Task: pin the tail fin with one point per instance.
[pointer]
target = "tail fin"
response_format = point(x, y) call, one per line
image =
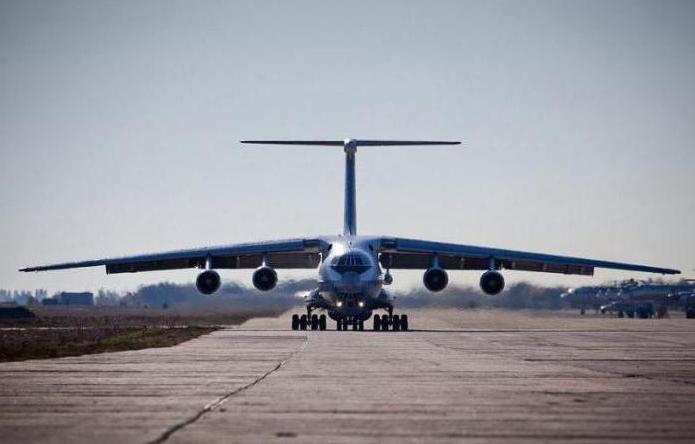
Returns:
point(350, 147)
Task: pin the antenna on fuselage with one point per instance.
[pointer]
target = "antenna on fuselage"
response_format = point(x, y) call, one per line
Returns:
point(350, 148)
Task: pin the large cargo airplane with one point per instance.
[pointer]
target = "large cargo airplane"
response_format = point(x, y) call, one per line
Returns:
point(352, 269)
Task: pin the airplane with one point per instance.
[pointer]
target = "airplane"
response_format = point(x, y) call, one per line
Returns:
point(352, 268)
point(645, 299)
point(583, 298)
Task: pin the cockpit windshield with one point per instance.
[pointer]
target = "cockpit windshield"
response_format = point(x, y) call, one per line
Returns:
point(356, 262)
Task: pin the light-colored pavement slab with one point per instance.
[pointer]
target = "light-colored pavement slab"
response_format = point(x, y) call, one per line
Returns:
point(475, 376)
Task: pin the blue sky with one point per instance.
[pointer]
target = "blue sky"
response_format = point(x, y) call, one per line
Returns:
point(120, 121)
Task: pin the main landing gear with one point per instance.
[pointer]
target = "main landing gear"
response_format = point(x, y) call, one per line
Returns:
point(308, 322)
point(392, 322)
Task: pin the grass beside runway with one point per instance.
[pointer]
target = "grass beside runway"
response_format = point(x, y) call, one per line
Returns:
point(60, 331)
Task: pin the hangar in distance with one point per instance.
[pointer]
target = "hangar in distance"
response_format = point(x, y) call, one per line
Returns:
point(352, 269)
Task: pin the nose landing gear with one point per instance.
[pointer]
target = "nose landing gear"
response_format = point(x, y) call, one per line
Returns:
point(345, 323)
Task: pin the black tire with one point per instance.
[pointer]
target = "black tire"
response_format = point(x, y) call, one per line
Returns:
point(314, 322)
point(404, 322)
point(339, 324)
point(360, 325)
point(396, 323)
point(302, 322)
point(690, 314)
point(322, 322)
point(384, 323)
point(354, 325)
point(345, 325)
point(377, 323)
point(295, 322)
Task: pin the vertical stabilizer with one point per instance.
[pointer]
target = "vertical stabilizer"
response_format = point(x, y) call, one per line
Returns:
point(350, 147)
point(350, 215)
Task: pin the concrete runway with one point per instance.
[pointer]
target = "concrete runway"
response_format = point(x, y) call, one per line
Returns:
point(464, 376)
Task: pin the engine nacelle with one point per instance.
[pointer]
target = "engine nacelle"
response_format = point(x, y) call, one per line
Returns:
point(492, 282)
point(265, 278)
point(208, 282)
point(435, 279)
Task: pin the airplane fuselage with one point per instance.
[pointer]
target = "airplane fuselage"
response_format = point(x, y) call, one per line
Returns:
point(351, 281)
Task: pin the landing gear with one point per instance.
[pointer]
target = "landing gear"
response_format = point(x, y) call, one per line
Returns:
point(308, 321)
point(404, 322)
point(295, 322)
point(396, 322)
point(344, 324)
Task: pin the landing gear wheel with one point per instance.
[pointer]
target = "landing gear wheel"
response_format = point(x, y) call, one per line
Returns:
point(295, 322)
point(396, 323)
point(302, 322)
point(360, 325)
point(322, 322)
point(339, 324)
point(345, 324)
point(377, 323)
point(404, 322)
point(384, 323)
point(314, 322)
point(354, 325)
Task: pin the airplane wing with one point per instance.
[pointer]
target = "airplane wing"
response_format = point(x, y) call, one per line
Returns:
point(417, 254)
point(292, 253)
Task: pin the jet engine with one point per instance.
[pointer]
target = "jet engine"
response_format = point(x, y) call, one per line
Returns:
point(435, 279)
point(265, 278)
point(492, 282)
point(208, 282)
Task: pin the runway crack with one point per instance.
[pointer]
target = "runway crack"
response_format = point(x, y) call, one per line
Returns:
point(217, 403)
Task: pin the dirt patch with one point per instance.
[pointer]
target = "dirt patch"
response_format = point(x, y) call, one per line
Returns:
point(71, 331)
point(41, 343)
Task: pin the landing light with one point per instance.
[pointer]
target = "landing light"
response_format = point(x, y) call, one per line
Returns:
point(361, 303)
point(339, 303)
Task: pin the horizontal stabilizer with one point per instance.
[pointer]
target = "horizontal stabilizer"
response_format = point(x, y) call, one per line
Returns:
point(297, 142)
point(353, 142)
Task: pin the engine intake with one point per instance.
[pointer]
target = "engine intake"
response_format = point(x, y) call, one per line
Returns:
point(265, 278)
point(435, 279)
point(492, 282)
point(208, 282)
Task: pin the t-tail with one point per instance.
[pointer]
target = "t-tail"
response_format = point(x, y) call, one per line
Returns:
point(350, 148)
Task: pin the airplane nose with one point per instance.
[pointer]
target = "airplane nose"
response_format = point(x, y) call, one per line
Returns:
point(350, 281)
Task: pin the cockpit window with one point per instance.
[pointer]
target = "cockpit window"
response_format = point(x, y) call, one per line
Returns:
point(353, 261)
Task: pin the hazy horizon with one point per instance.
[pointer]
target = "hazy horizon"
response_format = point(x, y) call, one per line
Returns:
point(120, 122)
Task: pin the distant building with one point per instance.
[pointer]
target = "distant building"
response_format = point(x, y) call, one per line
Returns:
point(50, 301)
point(66, 298)
point(15, 312)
